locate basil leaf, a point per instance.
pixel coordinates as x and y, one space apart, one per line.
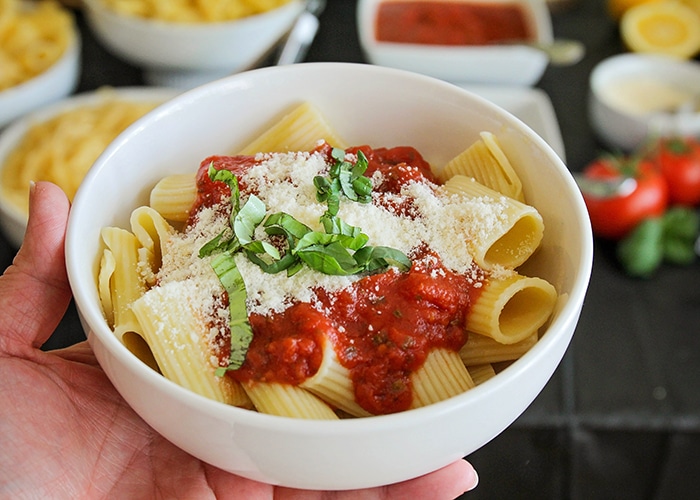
332 259
288 262
324 188
338 154
641 252
374 258
230 179
283 223
248 218
212 246
225 268
262 247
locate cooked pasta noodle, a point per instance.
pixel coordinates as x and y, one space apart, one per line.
514 234
288 401
168 325
481 373
480 349
486 162
511 308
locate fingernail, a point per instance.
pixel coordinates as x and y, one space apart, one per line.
475 480
32 187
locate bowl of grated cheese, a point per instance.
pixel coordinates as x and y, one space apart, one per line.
297 227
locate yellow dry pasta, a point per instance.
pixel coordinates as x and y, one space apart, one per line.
192 11
173 196
298 130
481 373
33 37
62 149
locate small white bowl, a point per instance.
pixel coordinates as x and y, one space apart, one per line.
637 97
185 55
13 219
366 105
478 64
56 82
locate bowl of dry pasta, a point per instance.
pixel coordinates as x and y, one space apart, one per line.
183 44
59 143
328 275
39 56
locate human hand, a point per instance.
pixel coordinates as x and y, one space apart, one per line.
65 432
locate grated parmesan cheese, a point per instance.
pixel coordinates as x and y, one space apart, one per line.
284 182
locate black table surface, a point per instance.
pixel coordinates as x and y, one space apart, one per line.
620 418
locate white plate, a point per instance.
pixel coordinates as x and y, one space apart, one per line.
530 105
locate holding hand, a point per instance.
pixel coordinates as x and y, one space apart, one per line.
65 432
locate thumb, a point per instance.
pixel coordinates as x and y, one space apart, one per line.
34 290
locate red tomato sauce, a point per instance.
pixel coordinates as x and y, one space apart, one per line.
382 327
451 23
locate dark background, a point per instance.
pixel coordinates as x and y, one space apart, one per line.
621 416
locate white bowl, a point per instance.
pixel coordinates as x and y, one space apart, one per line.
13 220
56 82
481 64
366 105
184 55
637 97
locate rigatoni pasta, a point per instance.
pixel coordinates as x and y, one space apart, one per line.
327 282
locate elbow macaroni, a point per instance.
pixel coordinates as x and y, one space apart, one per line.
192 11
32 39
63 148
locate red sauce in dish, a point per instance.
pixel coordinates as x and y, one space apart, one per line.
382 327
451 23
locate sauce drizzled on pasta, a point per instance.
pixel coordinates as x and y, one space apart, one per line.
382 326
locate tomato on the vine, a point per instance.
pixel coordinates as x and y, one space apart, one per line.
679 162
614 216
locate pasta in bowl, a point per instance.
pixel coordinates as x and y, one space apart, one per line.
39 56
59 143
343 236
182 44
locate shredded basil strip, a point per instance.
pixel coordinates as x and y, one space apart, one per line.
225 268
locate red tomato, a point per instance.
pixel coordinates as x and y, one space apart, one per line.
679 161
615 216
